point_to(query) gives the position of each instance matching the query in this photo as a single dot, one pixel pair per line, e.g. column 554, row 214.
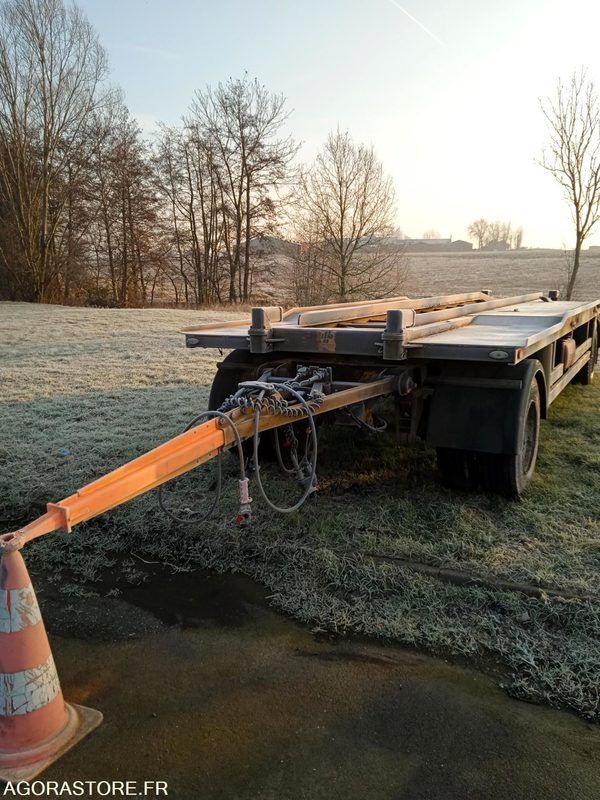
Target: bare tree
column 505, row 233
column 432, row 233
column 479, row 230
column 51, row 66
column 311, row 283
column 187, row 180
column 344, row 212
column 88, row 213
column 517, row 238
column 497, row 232
column 125, row 234
column 573, row 156
column 242, row 123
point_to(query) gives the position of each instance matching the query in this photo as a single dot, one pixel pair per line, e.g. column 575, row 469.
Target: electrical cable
column 295, row 465
column 258, row 397
column 361, row 423
column 310, row 479
column 282, row 466
column 195, row 519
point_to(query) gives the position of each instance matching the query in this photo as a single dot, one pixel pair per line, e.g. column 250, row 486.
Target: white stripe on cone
column 18, row 609
column 26, row 691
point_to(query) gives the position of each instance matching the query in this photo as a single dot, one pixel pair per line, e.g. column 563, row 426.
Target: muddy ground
column 205, row 687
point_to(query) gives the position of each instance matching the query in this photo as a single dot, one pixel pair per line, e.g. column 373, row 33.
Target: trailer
column 469, row 374
column 476, row 373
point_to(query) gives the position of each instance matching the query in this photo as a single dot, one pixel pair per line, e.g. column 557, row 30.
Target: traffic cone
column 36, row 725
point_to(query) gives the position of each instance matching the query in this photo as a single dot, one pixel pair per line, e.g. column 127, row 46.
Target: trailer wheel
column 238, row 366
column 233, row 370
column 457, row 468
column 585, row 375
column 507, row 473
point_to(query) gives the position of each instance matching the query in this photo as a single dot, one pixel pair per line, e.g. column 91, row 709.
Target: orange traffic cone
column 36, row 725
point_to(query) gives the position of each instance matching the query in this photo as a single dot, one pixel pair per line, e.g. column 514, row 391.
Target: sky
column 447, row 92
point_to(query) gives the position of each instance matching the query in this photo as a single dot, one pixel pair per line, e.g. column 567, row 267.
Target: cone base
column 82, row 720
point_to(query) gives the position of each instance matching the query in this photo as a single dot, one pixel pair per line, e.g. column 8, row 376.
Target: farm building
column 433, row 245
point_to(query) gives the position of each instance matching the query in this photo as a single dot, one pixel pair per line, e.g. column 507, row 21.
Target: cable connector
column 245, row 512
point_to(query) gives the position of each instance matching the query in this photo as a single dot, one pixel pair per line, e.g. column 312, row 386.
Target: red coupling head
column 243, row 516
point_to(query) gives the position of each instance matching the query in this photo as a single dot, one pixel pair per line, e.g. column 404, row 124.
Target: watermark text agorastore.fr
column 152, row 790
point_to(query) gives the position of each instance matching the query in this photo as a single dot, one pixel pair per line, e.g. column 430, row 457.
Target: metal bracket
column 258, row 332
column 394, row 336
column 64, row 512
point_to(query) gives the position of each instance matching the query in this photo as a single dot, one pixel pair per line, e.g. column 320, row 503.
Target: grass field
column 515, row 272
column 83, row 390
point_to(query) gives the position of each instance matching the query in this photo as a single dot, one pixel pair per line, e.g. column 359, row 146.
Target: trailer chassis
column 471, row 366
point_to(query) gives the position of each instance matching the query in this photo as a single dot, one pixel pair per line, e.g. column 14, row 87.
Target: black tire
column 585, row 376
column 238, row 366
column 509, row 474
column 458, row 468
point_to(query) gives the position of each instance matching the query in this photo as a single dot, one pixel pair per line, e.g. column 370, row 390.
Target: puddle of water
column 196, row 599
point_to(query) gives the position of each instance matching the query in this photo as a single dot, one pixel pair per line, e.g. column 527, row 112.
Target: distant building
column 415, row 245
column 460, row 245
column 594, row 248
column 432, row 245
column 428, row 242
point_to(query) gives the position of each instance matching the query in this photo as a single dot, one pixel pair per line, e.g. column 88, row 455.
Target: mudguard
column 483, row 410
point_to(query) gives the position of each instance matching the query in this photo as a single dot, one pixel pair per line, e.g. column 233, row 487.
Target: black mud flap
column 481, row 412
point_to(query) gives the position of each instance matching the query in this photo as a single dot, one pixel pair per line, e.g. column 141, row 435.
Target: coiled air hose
column 258, row 397
column 310, row 480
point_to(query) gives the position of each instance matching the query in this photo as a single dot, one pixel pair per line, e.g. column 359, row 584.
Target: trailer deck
column 474, row 326
column 476, row 373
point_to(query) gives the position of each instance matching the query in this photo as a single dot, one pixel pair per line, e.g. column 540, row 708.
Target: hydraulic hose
column 195, row 519
column 313, row 472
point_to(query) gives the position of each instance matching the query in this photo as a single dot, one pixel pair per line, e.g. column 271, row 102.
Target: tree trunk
column 575, row 269
column 43, row 245
column 125, row 266
column 69, row 263
column 247, row 244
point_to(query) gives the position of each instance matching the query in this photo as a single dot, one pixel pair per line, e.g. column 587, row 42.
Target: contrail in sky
column 416, row 21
